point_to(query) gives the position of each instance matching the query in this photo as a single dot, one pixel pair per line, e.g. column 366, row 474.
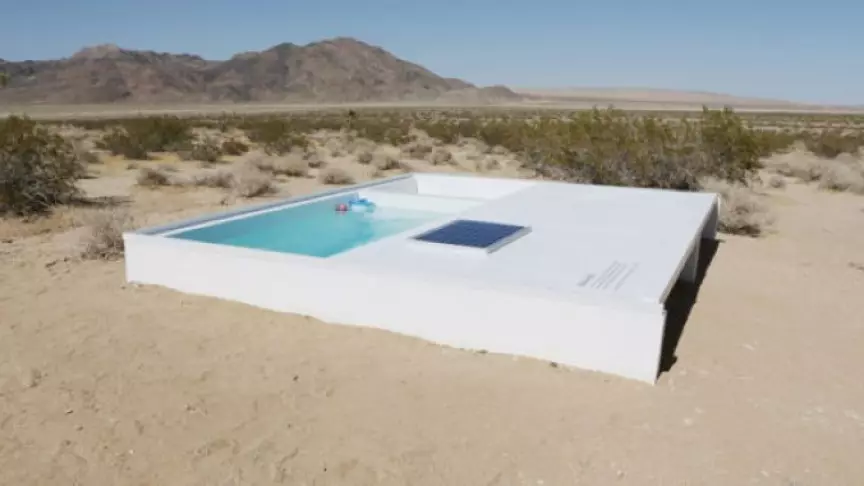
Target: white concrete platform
column 585, row 287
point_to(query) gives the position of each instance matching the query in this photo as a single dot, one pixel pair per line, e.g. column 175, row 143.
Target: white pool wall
column 623, row 340
column 590, row 331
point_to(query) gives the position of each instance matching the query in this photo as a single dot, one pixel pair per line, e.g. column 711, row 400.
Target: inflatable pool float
column 357, row 205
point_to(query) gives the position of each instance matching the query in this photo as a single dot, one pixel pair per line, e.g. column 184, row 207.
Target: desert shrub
column 277, row 136
column 87, row 157
column 441, row 156
column 104, row 237
column 314, row 160
column 291, row 167
column 118, row 142
column 250, row 182
column 417, row 150
column 614, row 148
column 336, row 176
column 800, row 166
column 387, row 162
column 150, row 177
column 383, row 130
column 136, row 138
column 221, row 179
column 206, row 150
column 741, row 212
column 772, row 141
column 831, row 143
column 38, row 169
column 491, row 164
column 234, row 147
column 842, row 177
column 365, row 157
column 777, row 182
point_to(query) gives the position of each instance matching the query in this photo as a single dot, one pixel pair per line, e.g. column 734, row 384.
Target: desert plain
column 103, row 382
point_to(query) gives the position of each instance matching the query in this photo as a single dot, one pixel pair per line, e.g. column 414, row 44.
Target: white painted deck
column 622, row 242
column 585, row 287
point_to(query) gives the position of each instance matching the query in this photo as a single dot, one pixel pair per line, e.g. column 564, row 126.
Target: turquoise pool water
column 313, row 229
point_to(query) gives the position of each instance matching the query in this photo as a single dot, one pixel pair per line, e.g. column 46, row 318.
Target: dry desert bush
column 251, row 182
column 104, row 237
column 387, row 162
column 777, row 182
column 220, row 179
column 365, row 157
column 842, row 178
column 154, row 177
column 234, row 146
column 205, row 150
column 336, row 176
column 289, row 165
column 841, row 175
column 741, row 210
column 441, row 156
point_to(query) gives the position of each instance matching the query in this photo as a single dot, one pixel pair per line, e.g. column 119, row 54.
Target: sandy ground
column 107, row 383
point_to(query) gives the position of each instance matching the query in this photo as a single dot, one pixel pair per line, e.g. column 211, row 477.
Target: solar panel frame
column 473, row 234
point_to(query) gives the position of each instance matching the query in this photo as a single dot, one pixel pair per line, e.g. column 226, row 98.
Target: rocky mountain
column 335, row 70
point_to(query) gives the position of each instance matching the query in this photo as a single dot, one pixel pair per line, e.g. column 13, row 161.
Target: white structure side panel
column 618, row 340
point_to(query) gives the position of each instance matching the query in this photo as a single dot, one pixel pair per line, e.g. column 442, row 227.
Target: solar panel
column 473, row 234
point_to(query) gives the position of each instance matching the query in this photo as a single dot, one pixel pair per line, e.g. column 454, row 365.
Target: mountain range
column 334, row 70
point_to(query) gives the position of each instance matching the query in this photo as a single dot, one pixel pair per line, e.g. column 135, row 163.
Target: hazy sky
column 793, row 49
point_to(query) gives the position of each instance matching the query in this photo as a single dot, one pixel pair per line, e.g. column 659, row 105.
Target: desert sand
column 103, row 382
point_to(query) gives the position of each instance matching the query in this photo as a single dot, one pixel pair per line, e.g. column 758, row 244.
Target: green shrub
column 38, row 169
column 277, row 136
column 118, row 142
column 136, row 138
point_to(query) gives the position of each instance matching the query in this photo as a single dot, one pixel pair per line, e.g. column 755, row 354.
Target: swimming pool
column 313, row 229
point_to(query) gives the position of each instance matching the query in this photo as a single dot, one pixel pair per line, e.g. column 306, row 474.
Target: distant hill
column 334, row 70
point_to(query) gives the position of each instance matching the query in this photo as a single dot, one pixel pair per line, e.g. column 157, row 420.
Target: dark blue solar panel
column 473, row 234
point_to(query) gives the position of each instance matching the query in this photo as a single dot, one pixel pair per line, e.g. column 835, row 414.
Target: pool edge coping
column 161, row 230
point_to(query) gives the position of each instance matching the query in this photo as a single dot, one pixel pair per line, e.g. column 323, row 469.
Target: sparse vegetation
column 207, row 150
column 741, row 211
column 251, row 182
column 221, row 179
column 441, row 156
column 38, row 169
column 365, row 157
column 234, row 147
column 137, row 138
column 842, row 177
column 336, row 176
column 777, row 182
column 104, row 239
column 150, row 177
column 832, row 143
column 387, row 162
column 663, row 150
